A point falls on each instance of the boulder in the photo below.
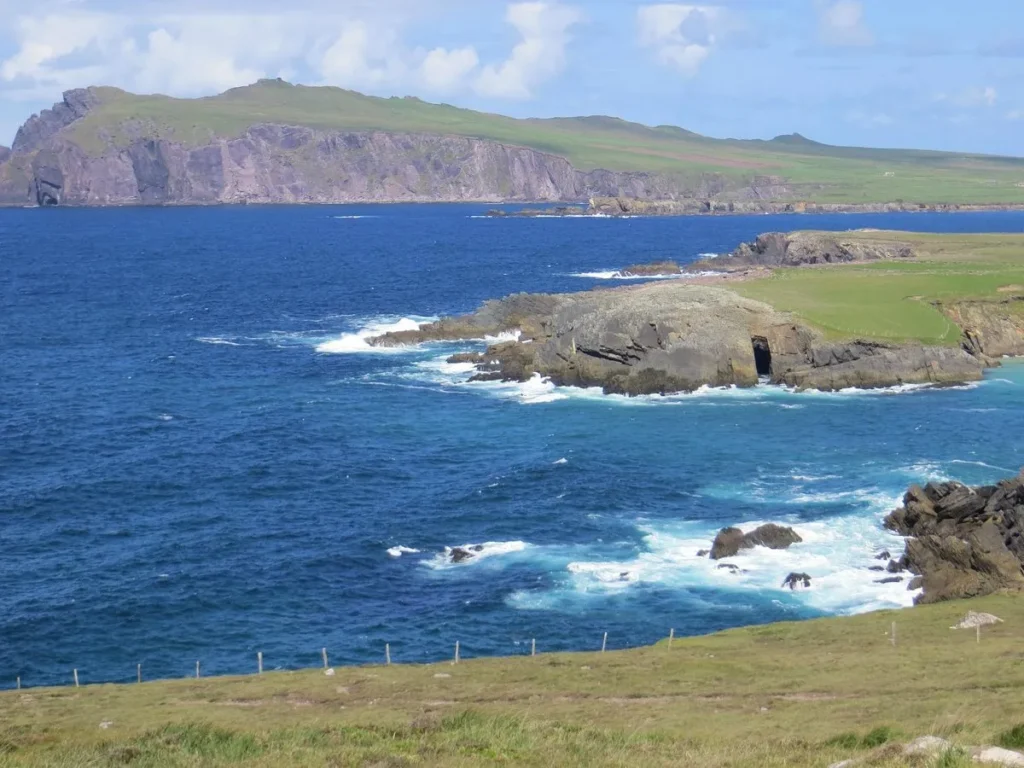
(795, 580)
(974, 619)
(461, 554)
(730, 541)
(703, 552)
(889, 580)
(654, 269)
(926, 746)
(997, 756)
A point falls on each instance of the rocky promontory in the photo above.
(677, 335)
(962, 541)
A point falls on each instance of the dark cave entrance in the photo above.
(762, 356)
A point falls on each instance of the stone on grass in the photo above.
(998, 756)
(927, 746)
(975, 619)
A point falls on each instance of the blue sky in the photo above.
(937, 74)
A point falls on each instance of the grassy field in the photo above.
(793, 694)
(819, 172)
(896, 301)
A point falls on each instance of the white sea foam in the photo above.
(983, 464)
(614, 274)
(562, 460)
(358, 342)
(362, 216)
(400, 550)
(218, 340)
(480, 553)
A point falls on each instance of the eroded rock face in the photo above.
(964, 542)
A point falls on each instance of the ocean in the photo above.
(201, 457)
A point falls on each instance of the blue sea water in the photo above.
(201, 458)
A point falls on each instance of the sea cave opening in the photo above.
(762, 356)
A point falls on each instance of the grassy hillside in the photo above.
(819, 172)
(896, 301)
(795, 694)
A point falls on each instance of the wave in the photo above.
(480, 552)
(218, 340)
(836, 553)
(358, 341)
(360, 216)
(614, 274)
(400, 550)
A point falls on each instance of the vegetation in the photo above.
(792, 694)
(900, 300)
(816, 171)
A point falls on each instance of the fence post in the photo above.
(456, 651)
(533, 647)
(671, 637)
(323, 652)
(893, 635)
(259, 662)
(197, 670)
(387, 654)
(977, 634)
(76, 678)
(604, 642)
(19, 682)
(138, 673)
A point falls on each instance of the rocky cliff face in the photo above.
(676, 337)
(963, 542)
(272, 163)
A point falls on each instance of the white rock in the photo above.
(926, 745)
(329, 672)
(442, 675)
(974, 619)
(106, 724)
(998, 756)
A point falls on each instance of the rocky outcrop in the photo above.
(797, 580)
(797, 249)
(962, 541)
(992, 329)
(755, 199)
(674, 336)
(730, 541)
(39, 128)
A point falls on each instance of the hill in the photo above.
(639, 161)
(794, 694)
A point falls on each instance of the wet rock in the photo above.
(654, 269)
(877, 568)
(703, 552)
(890, 580)
(729, 567)
(730, 541)
(883, 555)
(795, 580)
(460, 555)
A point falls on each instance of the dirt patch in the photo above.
(1010, 288)
(240, 703)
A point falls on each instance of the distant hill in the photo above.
(187, 150)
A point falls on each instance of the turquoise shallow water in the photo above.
(200, 458)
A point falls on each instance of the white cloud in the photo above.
(445, 71)
(869, 119)
(970, 98)
(540, 54)
(682, 36)
(199, 52)
(841, 23)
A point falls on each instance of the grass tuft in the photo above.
(1013, 738)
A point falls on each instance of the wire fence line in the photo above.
(457, 656)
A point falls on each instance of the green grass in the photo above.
(794, 694)
(819, 172)
(901, 301)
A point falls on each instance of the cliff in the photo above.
(134, 162)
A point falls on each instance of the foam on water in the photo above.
(400, 550)
(481, 552)
(614, 274)
(358, 342)
(218, 340)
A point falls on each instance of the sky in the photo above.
(930, 74)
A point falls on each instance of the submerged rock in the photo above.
(730, 541)
(654, 269)
(795, 580)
